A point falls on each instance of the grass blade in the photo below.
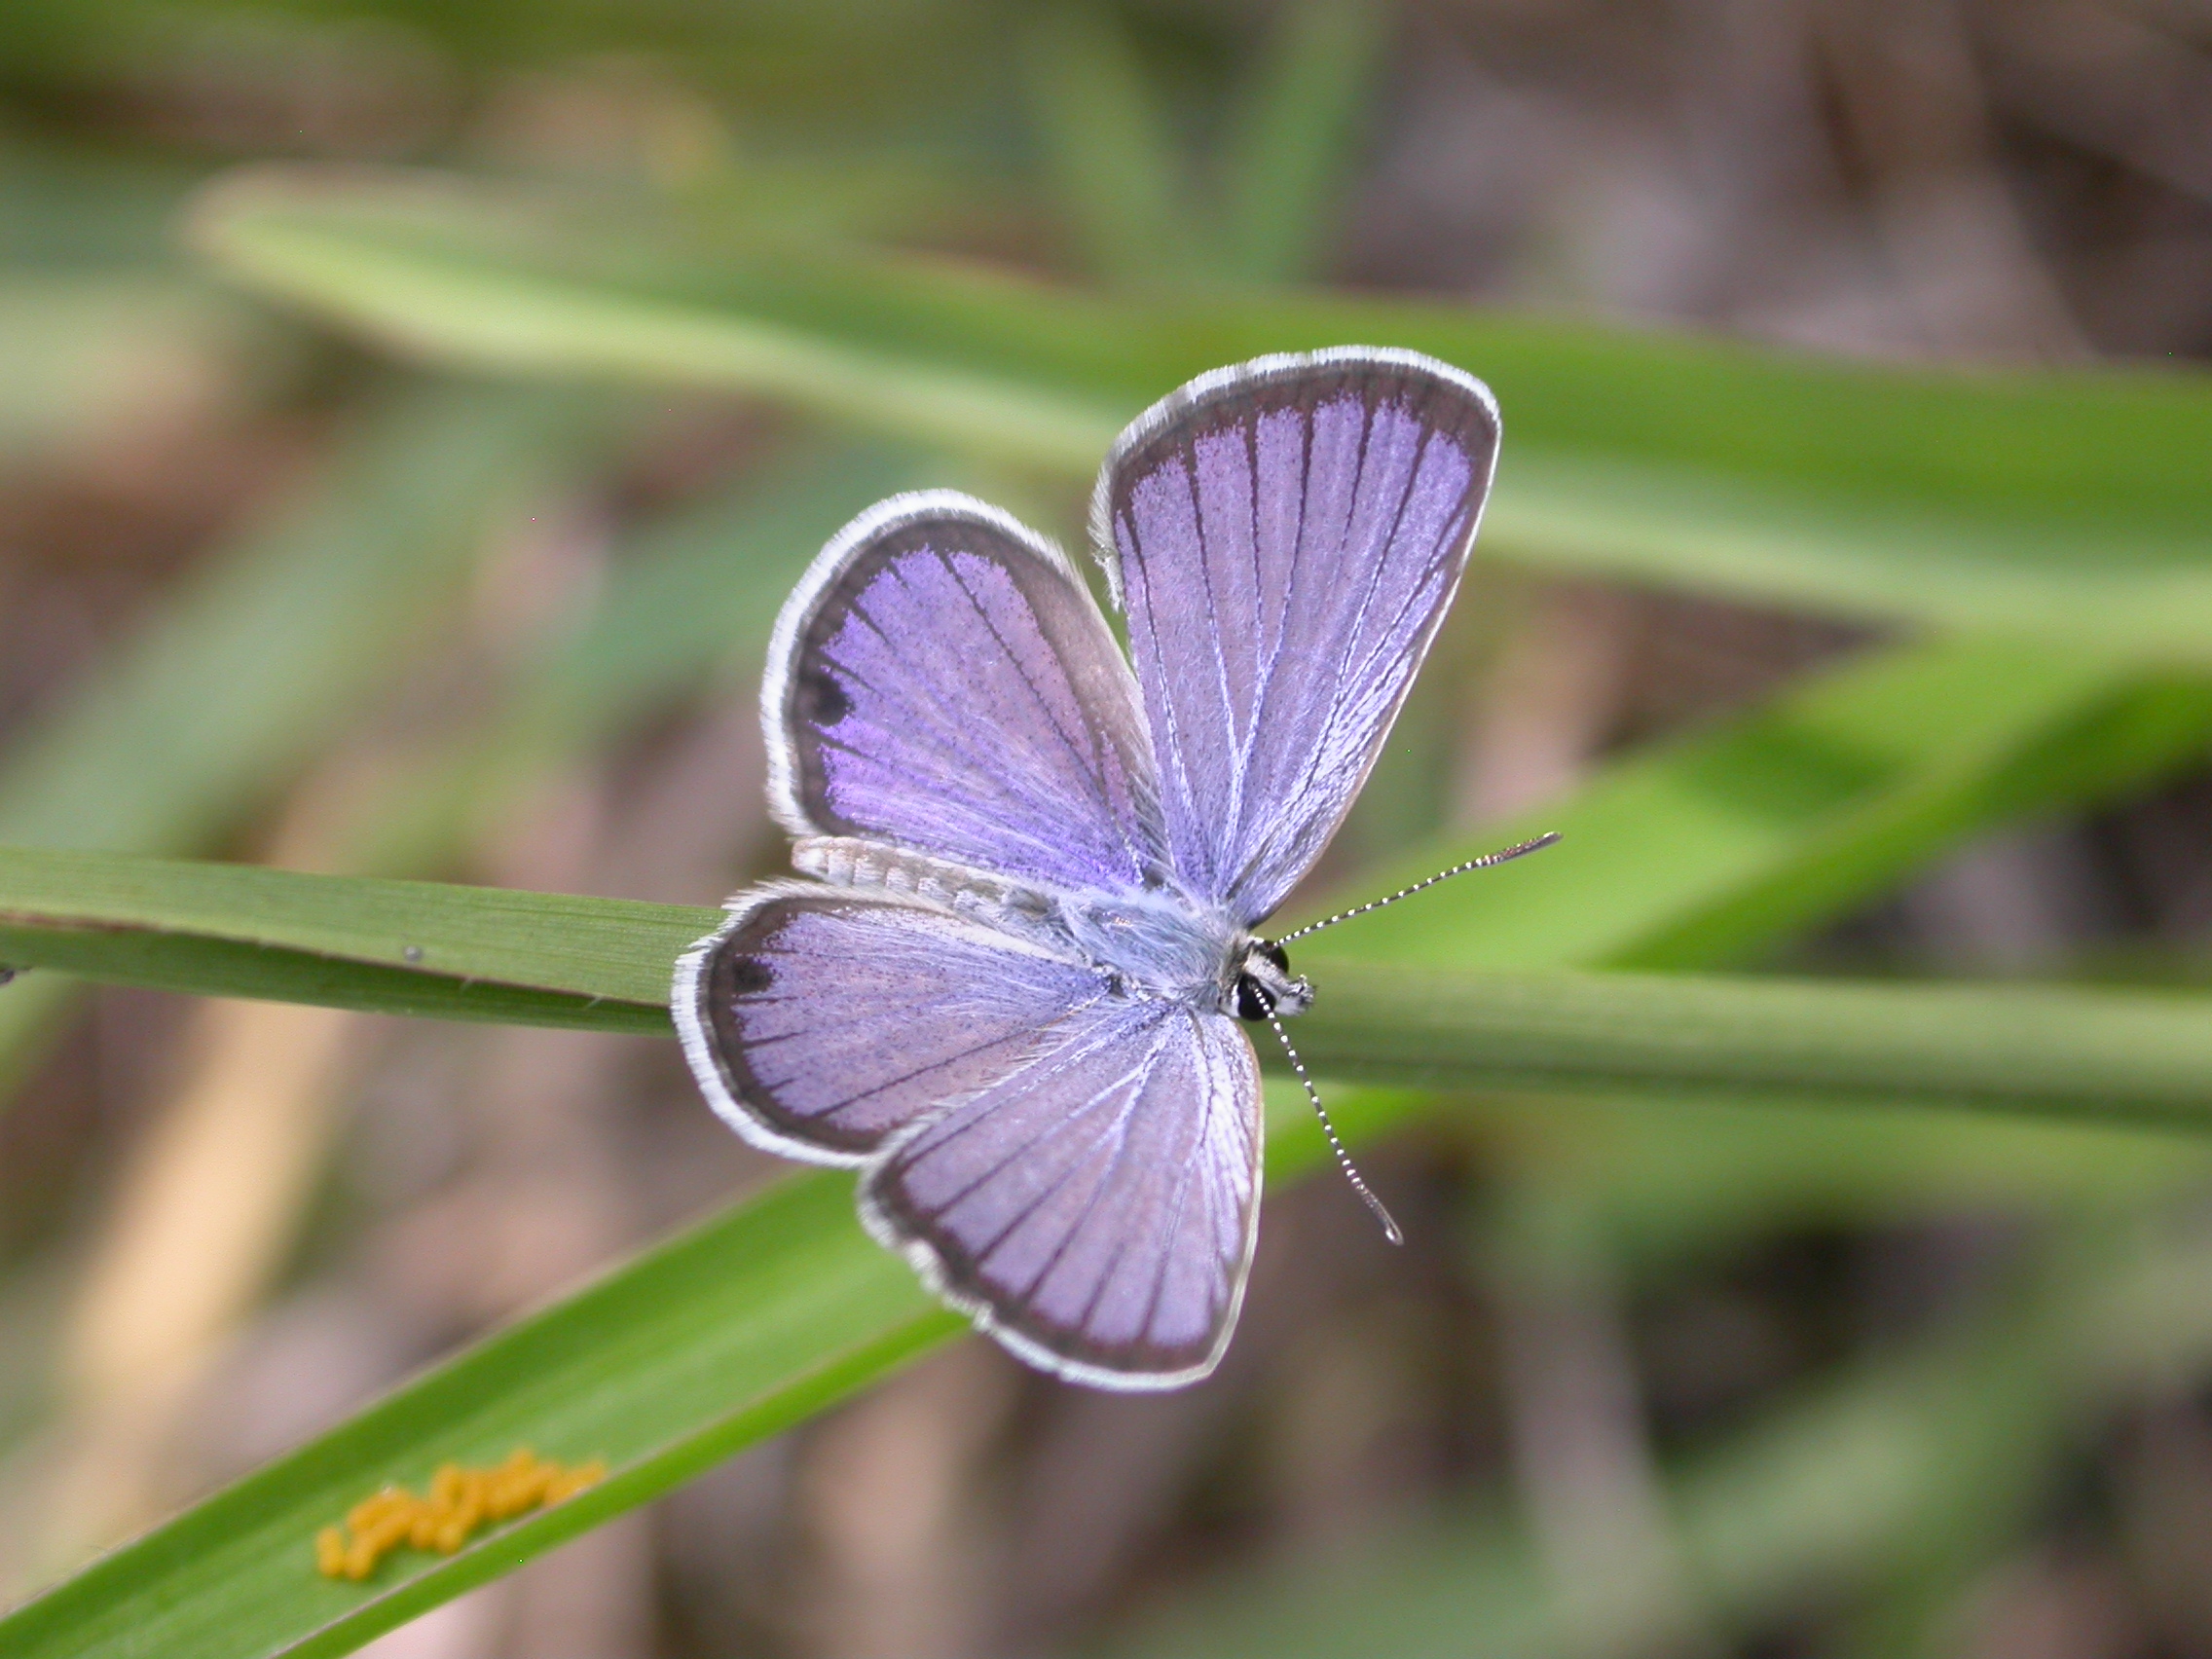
(2070, 504)
(346, 942)
(1698, 852)
(717, 1339)
(420, 947)
(2100, 1055)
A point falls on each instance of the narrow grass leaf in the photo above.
(468, 952)
(715, 1339)
(2069, 505)
(346, 942)
(1698, 852)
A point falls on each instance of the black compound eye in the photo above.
(1251, 1001)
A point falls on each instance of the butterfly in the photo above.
(1014, 993)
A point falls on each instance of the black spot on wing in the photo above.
(819, 700)
(740, 976)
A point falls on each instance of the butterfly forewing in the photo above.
(822, 1021)
(1285, 537)
(1094, 1209)
(943, 680)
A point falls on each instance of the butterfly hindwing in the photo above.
(1094, 1209)
(821, 1022)
(1285, 537)
(943, 680)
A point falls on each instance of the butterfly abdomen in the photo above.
(845, 861)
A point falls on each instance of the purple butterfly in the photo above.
(1011, 997)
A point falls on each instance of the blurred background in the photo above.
(1647, 1379)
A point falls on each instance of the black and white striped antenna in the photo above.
(1505, 854)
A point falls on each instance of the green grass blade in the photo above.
(1699, 851)
(2070, 504)
(719, 1338)
(2100, 1055)
(346, 942)
(420, 947)
(426, 296)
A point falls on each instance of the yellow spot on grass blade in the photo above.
(461, 1499)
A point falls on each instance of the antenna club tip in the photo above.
(1391, 1232)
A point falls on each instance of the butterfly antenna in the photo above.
(1344, 1158)
(1505, 854)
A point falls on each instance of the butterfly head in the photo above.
(1265, 984)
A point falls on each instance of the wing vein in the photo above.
(1142, 1072)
